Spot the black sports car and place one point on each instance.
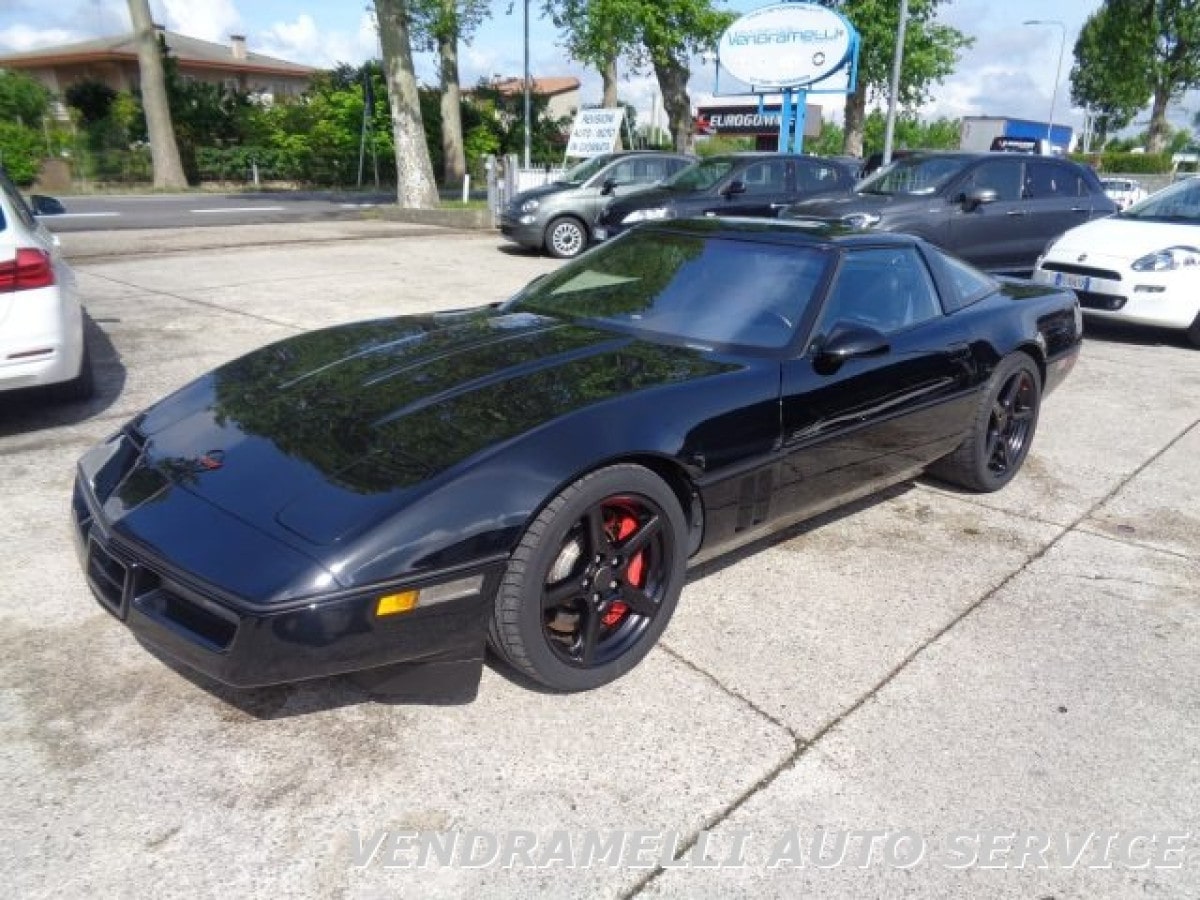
(537, 475)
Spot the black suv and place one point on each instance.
(996, 210)
(738, 184)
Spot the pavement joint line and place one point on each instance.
(208, 304)
(973, 501)
(802, 750)
(1139, 545)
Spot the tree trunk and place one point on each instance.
(672, 81)
(454, 159)
(415, 187)
(1156, 140)
(855, 121)
(608, 75)
(164, 152)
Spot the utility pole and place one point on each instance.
(894, 88)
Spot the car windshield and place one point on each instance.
(579, 174)
(916, 175)
(699, 176)
(699, 290)
(1178, 203)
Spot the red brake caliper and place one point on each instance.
(625, 526)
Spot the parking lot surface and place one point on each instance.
(951, 673)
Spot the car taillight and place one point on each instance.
(31, 269)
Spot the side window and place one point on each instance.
(962, 284)
(1045, 180)
(816, 177)
(1000, 175)
(885, 289)
(623, 172)
(674, 165)
(767, 177)
(20, 209)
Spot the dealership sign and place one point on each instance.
(595, 131)
(791, 45)
(751, 120)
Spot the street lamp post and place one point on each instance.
(894, 89)
(527, 84)
(1062, 45)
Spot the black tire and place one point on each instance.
(572, 618)
(81, 387)
(1193, 332)
(566, 237)
(1001, 431)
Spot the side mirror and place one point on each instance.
(46, 206)
(847, 340)
(734, 187)
(977, 197)
(608, 186)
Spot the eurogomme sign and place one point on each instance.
(595, 131)
(789, 45)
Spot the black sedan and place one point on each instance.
(736, 184)
(537, 475)
(998, 211)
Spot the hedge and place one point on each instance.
(1127, 163)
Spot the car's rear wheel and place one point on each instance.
(566, 237)
(594, 581)
(1193, 332)
(1001, 431)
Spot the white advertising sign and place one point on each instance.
(595, 131)
(789, 45)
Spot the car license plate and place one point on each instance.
(1074, 282)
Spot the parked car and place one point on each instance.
(1123, 191)
(737, 184)
(559, 216)
(1141, 265)
(996, 210)
(539, 474)
(42, 341)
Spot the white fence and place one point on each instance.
(506, 179)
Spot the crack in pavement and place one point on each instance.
(802, 748)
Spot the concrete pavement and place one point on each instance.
(927, 663)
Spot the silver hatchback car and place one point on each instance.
(559, 216)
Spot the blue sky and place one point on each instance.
(1009, 71)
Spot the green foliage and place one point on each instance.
(503, 116)
(912, 133)
(23, 100)
(930, 48)
(1127, 163)
(93, 99)
(718, 145)
(433, 21)
(21, 152)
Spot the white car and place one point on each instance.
(1141, 265)
(1123, 191)
(41, 322)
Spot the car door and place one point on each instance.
(991, 235)
(1057, 200)
(766, 187)
(876, 419)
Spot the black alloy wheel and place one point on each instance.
(1001, 431)
(594, 581)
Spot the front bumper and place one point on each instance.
(527, 234)
(1110, 290)
(238, 640)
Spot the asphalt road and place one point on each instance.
(156, 211)
(975, 672)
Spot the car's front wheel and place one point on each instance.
(594, 581)
(1001, 430)
(566, 237)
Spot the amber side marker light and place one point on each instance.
(407, 601)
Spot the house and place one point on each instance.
(560, 91)
(114, 61)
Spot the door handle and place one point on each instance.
(779, 205)
(1080, 209)
(1016, 212)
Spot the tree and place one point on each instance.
(670, 33)
(440, 25)
(164, 152)
(1131, 50)
(596, 33)
(415, 185)
(930, 52)
(22, 99)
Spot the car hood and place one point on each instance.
(835, 208)
(1123, 239)
(323, 434)
(542, 191)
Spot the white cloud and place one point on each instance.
(210, 20)
(304, 41)
(19, 38)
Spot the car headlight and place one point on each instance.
(646, 215)
(529, 206)
(861, 219)
(1167, 260)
